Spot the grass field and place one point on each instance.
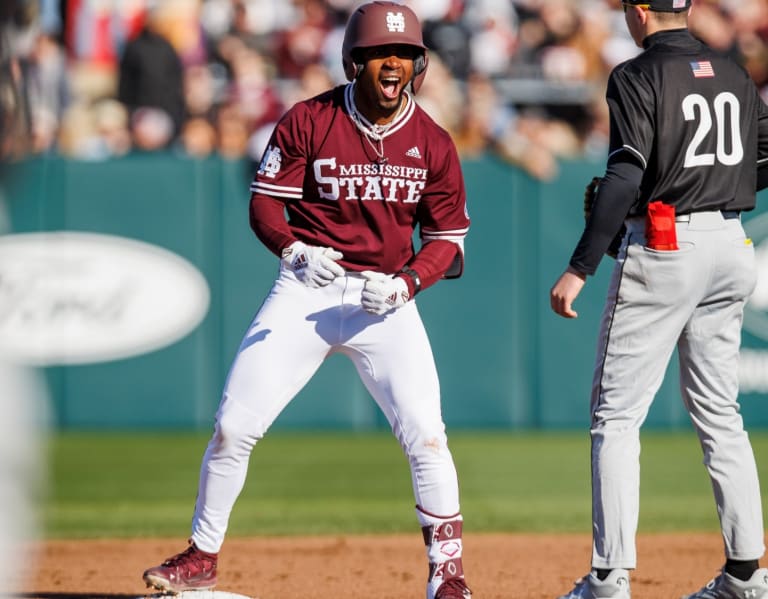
(135, 485)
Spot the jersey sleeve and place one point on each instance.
(631, 104)
(282, 168)
(442, 212)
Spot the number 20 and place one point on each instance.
(725, 119)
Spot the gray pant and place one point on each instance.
(692, 299)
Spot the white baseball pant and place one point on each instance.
(293, 332)
(692, 299)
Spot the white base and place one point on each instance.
(198, 595)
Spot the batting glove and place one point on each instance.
(383, 293)
(314, 266)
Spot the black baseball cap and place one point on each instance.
(662, 5)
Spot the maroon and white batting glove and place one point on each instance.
(314, 266)
(383, 293)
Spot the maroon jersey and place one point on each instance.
(364, 198)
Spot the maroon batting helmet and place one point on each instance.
(382, 23)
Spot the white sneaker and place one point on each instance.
(725, 586)
(615, 586)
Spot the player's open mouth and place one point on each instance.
(390, 87)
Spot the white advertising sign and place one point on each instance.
(75, 298)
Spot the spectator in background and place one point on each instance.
(483, 118)
(261, 56)
(95, 131)
(198, 137)
(494, 41)
(711, 24)
(569, 51)
(314, 80)
(233, 132)
(16, 18)
(178, 21)
(202, 91)
(251, 90)
(441, 95)
(112, 127)
(77, 136)
(448, 36)
(151, 76)
(301, 44)
(152, 129)
(242, 28)
(47, 89)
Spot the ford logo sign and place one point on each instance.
(74, 298)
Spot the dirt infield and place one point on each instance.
(498, 566)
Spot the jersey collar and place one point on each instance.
(372, 130)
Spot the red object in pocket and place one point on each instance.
(660, 231)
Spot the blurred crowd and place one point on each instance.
(525, 79)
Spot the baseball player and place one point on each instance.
(357, 169)
(688, 149)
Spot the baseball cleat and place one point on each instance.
(615, 586)
(190, 570)
(453, 588)
(725, 586)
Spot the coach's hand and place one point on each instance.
(565, 291)
(314, 266)
(383, 293)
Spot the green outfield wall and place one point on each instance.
(505, 360)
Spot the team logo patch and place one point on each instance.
(702, 68)
(271, 162)
(395, 22)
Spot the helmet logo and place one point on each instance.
(395, 22)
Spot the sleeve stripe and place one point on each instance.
(277, 190)
(454, 239)
(631, 150)
(432, 234)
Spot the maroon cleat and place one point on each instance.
(453, 588)
(191, 570)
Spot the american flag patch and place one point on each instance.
(702, 68)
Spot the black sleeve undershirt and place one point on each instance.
(762, 177)
(615, 197)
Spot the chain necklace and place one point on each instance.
(373, 132)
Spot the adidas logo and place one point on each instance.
(414, 152)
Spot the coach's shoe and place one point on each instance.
(190, 570)
(615, 586)
(726, 586)
(453, 588)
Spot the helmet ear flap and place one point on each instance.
(420, 64)
(352, 69)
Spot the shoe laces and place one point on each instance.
(453, 588)
(191, 556)
(708, 591)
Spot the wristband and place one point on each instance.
(414, 277)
